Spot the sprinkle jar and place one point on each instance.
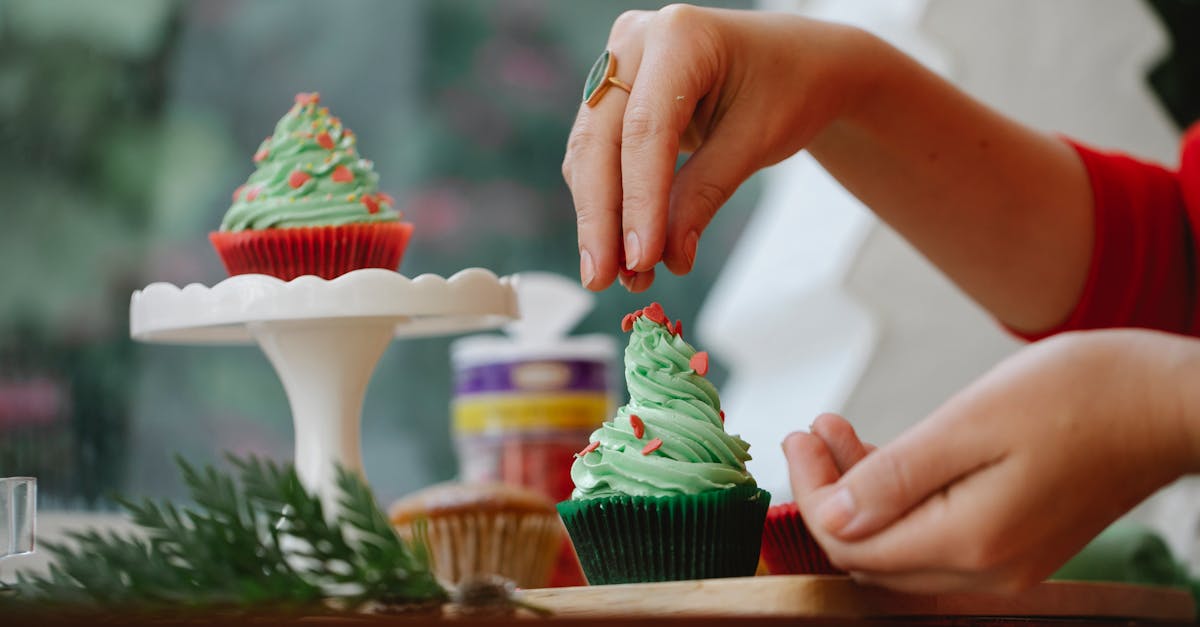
(522, 410)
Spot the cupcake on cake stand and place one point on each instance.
(324, 338)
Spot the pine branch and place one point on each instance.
(257, 540)
(389, 569)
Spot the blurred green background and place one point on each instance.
(125, 125)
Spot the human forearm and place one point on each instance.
(1084, 425)
(1003, 210)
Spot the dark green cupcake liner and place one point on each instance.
(636, 539)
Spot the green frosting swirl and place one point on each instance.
(308, 173)
(677, 406)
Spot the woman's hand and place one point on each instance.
(1004, 210)
(1012, 476)
(740, 90)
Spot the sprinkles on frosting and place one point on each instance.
(669, 397)
(303, 99)
(639, 427)
(311, 161)
(654, 313)
(298, 178)
(588, 449)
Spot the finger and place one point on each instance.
(949, 531)
(593, 172)
(637, 282)
(674, 74)
(811, 466)
(841, 439)
(592, 165)
(886, 484)
(702, 186)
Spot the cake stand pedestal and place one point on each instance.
(324, 338)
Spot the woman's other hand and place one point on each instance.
(1012, 476)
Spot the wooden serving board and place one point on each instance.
(832, 596)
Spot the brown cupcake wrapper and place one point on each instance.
(523, 547)
(324, 251)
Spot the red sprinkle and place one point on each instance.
(252, 194)
(654, 313)
(261, 154)
(627, 322)
(306, 98)
(699, 363)
(386, 198)
(588, 449)
(670, 327)
(342, 174)
(639, 427)
(370, 203)
(679, 328)
(325, 140)
(654, 445)
(722, 415)
(238, 192)
(298, 178)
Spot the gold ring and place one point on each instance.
(602, 76)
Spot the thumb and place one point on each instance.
(887, 483)
(709, 177)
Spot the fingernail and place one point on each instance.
(587, 271)
(837, 511)
(637, 282)
(689, 246)
(633, 250)
(626, 280)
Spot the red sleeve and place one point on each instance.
(1144, 266)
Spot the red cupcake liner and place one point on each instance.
(789, 549)
(324, 251)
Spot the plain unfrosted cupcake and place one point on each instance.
(483, 529)
(312, 205)
(788, 547)
(661, 491)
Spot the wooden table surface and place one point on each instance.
(827, 597)
(767, 601)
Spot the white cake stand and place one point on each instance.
(324, 339)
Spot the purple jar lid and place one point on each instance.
(533, 376)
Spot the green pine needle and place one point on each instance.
(254, 541)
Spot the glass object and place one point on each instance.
(18, 515)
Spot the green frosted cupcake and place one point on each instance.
(661, 491)
(312, 205)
